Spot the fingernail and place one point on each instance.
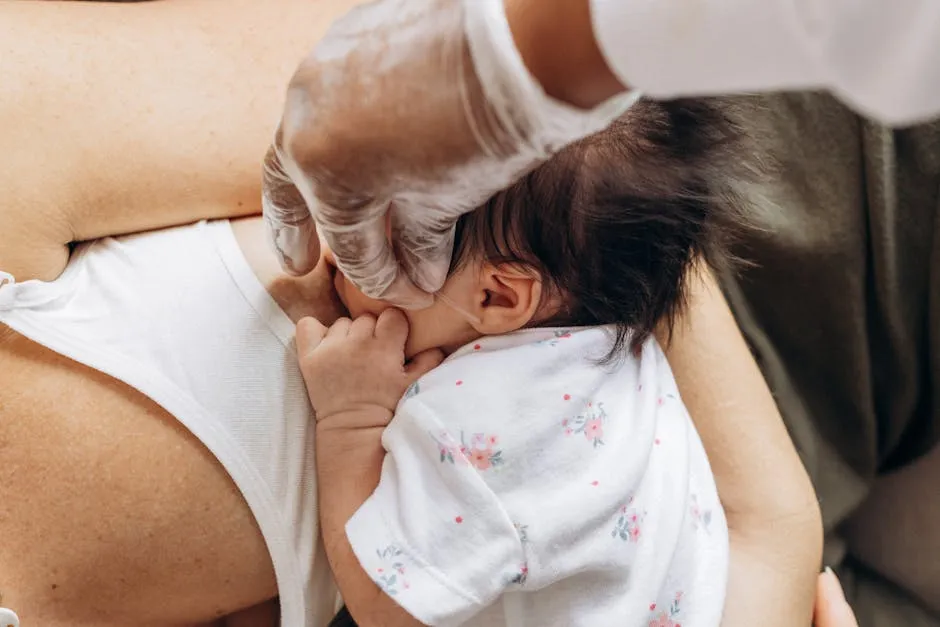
(834, 583)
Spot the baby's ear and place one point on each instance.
(508, 297)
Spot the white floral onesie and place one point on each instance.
(527, 483)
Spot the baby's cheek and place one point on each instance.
(358, 303)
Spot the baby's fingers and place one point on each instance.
(423, 363)
(309, 335)
(392, 325)
(339, 329)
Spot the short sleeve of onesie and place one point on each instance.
(433, 535)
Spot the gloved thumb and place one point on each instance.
(366, 256)
(424, 246)
(290, 226)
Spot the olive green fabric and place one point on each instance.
(842, 306)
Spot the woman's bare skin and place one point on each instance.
(114, 515)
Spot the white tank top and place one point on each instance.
(180, 316)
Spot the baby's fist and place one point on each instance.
(357, 367)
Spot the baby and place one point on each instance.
(518, 454)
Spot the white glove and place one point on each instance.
(408, 114)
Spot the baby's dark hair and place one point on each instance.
(613, 224)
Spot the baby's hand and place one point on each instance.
(355, 371)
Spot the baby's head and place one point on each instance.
(603, 233)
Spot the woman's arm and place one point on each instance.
(773, 515)
(125, 117)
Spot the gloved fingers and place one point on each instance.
(290, 225)
(296, 245)
(403, 293)
(364, 254)
(423, 247)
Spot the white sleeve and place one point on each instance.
(880, 56)
(433, 535)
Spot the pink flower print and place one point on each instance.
(668, 617)
(450, 454)
(390, 578)
(483, 441)
(590, 422)
(701, 519)
(480, 459)
(628, 526)
(480, 453)
(522, 576)
(594, 430)
(662, 620)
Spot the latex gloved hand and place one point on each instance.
(408, 114)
